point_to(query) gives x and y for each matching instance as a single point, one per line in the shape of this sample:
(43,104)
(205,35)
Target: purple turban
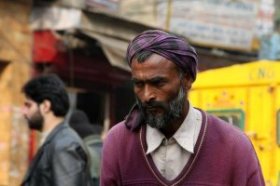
(169,46)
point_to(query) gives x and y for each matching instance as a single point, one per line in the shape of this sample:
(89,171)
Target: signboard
(265,18)
(222,23)
(103,5)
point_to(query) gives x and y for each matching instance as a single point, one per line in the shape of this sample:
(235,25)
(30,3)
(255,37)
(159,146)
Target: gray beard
(173,111)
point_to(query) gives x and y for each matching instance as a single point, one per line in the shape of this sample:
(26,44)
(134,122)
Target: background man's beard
(36,121)
(172,111)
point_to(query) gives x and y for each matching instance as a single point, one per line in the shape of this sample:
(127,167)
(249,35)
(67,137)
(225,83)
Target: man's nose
(149,94)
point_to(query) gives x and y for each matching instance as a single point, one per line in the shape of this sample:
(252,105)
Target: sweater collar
(192,160)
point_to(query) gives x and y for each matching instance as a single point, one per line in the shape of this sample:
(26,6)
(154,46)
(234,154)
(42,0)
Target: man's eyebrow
(135,80)
(156,79)
(152,80)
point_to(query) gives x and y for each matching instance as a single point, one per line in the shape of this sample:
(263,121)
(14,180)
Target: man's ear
(45,106)
(189,84)
(187,81)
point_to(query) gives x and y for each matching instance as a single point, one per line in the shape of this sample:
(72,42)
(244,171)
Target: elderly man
(166,141)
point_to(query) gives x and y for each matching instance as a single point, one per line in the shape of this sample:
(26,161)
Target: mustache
(153,104)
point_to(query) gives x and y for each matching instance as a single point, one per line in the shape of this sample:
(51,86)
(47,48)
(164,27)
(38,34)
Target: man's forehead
(154,62)
(155,66)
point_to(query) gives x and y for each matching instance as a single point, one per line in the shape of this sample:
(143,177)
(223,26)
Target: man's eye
(158,83)
(27,105)
(138,84)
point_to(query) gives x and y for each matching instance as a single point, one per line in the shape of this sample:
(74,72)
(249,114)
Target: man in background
(61,160)
(91,135)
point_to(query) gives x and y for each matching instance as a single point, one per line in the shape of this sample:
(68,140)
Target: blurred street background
(84,42)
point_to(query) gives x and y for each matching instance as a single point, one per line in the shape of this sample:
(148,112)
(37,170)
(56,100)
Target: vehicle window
(235,117)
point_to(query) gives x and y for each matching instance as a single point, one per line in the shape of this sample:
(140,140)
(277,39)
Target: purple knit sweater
(223,156)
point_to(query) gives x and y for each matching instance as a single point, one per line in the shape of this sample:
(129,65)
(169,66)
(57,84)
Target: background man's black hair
(48,87)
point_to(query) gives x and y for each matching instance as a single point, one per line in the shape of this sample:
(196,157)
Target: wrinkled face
(160,91)
(32,114)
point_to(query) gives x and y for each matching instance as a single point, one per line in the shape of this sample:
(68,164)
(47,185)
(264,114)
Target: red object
(45,46)
(32,146)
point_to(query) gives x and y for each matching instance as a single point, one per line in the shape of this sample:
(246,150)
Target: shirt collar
(44,136)
(184,136)
(154,139)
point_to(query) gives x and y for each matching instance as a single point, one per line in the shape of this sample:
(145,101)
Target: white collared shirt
(44,136)
(171,155)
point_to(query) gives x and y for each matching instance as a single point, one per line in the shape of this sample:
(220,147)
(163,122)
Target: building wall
(15,61)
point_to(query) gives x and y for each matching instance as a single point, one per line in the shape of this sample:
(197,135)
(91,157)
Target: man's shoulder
(118,129)
(67,132)
(119,126)
(226,132)
(119,132)
(66,136)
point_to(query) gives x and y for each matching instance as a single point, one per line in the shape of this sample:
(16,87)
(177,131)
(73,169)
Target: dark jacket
(60,161)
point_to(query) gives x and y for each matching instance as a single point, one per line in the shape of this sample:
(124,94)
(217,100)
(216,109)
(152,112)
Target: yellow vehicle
(247,96)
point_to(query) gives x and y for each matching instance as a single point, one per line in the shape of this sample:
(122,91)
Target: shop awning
(113,33)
